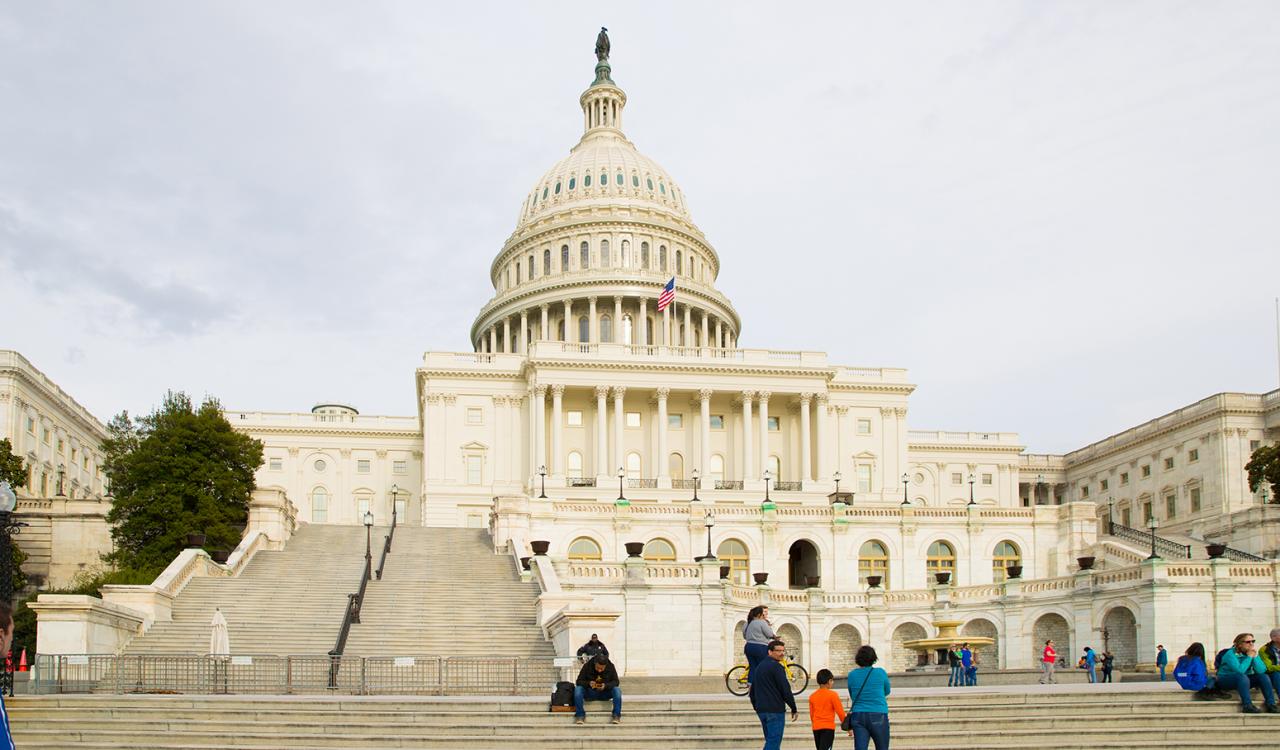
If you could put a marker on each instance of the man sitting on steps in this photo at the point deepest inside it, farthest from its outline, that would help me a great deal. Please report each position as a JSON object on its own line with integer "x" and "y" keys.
{"x": 598, "y": 681}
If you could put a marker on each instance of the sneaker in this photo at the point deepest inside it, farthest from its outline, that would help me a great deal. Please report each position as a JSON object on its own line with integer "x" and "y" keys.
{"x": 618, "y": 719}
{"x": 580, "y": 720}
{"x": 1251, "y": 710}
{"x": 1203, "y": 695}
{"x": 1272, "y": 708}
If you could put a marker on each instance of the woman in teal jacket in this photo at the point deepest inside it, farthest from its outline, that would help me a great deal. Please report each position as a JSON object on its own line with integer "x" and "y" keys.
{"x": 1242, "y": 669}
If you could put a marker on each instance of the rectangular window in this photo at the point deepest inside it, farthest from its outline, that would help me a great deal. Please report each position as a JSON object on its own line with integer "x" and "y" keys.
{"x": 1146, "y": 512}
{"x": 362, "y": 466}
{"x": 1105, "y": 484}
{"x": 362, "y": 507}
{"x": 474, "y": 470}
{"x": 775, "y": 424}
{"x": 45, "y": 436}
{"x": 675, "y": 421}
{"x": 957, "y": 478}
{"x": 1171, "y": 505}
{"x": 1126, "y": 518}
{"x": 633, "y": 419}
{"x": 86, "y": 463}
{"x": 277, "y": 464}
{"x": 864, "y": 477}
{"x": 986, "y": 480}
{"x": 1124, "y": 478}
{"x": 1195, "y": 499}
{"x": 1146, "y": 471}
{"x": 1168, "y": 463}
{"x": 399, "y": 467}
{"x": 61, "y": 445}
{"x": 475, "y": 415}
{"x": 1254, "y": 445}
{"x": 864, "y": 426}
{"x": 1193, "y": 455}
{"x": 717, "y": 421}
{"x": 31, "y": 425}
{"x": 573, "y": 419}
{"x": 1084, "y": 490}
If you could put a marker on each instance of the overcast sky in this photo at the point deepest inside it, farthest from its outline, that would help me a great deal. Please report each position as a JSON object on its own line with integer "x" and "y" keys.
{"x": 1061, "y": 217}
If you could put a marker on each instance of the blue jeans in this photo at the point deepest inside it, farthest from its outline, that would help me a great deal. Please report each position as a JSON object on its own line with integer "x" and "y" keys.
{"x": 1241, "y": 684}
{"x": 581, "y": 694}
{"x": 1274, "y": 677}
{"x": 1093, "y": 675}
{"x": 971, "y": 676}
{"x": 1162, "y": 668}
{"x": 773, "y": 725}
{"x": 954, "y": 680}
{"x": 870, "y": 727}
{"x": 755, "y": 653}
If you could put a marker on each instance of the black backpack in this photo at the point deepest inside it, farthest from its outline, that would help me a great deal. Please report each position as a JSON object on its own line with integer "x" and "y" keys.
{"x": 562, "y": 696}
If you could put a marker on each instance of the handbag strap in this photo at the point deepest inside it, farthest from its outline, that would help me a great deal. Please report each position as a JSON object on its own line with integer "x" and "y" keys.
{"x": 859, "y": 693}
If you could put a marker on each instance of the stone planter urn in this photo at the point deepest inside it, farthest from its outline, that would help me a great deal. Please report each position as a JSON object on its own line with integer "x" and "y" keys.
{"x": 760, "y": 578}
{"x": 195, "y": 540}
{"x": 724, "y": 572}
{"x": 634, "y": 549}
{"x": 1085, "y": 563}
{"x": 540, "y": 547}
{"x": 524, "y": 562}
{"x": 1014, "y": 571}
{"x": 942, "y": 578}
{"x": 874, "y": 581}
{"x": 220, "y": 555}
{"x": 1216, "y": 550}
{"x": 813, "y": 581}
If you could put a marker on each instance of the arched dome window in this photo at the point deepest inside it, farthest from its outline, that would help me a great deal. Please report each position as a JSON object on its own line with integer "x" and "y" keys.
{"x": 605, "y": 259}
{"x": 626, "y": 254}
{"x": 546, "y": 262}
{"x": 873, "y": 560}
{"x": 517, "y": 272}
{"x": 557, "y": 187}
{"x": 604, "y": 180}
{"x": 606, "y": 329}
{"x": 584, "y": 549}
{"x": 649, "y": 181}
{"x": 644, "y": 255}
{"x": 586, "y": 180}
{"x": 648, "y": 331}
{"x": 635, "y": 180}
{"x": 564, "y": 258}
{"x": 662, "y": 258}
{"x": 679, "y": 263}
{"x": 584, "y": 259}
{"x": 662, "y": 188}
{"x": 627, "y": 330}
{"x": 573, "y": 182}
{"x": 584, "y": 330}
{"x": 659, "y": 550}
{"x": 619, "y": 181}
{"x": 530, "y": 266}
{"x": 544, "y": 193}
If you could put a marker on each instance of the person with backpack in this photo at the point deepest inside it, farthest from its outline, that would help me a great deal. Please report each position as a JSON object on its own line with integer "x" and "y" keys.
{"x": 1241, "y": 669}
{"x": 597, "y": 681}
{"x": 869, "y": 711}
{"x": 758, "y": 634}
{"x": 1047, "y": 659}
{"x": 1270, "y": 654}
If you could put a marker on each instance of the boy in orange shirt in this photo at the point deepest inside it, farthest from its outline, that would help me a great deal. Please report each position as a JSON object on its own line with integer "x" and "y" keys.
{"x": 825, "y": 711}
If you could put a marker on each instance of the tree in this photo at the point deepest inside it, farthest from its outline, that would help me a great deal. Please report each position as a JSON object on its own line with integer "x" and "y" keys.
{"x": 1264, "y": 466}
{"x": 176, "y": 471}
{"x": 12, "y": 469}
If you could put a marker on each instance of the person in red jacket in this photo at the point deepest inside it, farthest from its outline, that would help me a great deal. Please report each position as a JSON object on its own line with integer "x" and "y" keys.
{"x": 1047, "y": 660}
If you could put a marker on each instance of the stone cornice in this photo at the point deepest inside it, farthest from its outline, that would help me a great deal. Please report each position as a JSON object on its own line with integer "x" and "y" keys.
{"x": 335, "y": 431}
{"x": 21, "y": 369}
{"x": 1015, "y": 450}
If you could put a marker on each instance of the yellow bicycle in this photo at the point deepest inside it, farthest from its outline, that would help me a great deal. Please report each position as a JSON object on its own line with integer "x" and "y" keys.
{"x": 736, "y": 679}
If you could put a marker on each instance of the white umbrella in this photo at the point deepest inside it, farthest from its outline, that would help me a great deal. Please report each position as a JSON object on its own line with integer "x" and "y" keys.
{"x": 219, "y": 641}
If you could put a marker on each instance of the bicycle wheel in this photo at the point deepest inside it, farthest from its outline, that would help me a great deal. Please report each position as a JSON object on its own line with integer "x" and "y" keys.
{"x": 798, "y": 676}
{"x": 736, "y": 680}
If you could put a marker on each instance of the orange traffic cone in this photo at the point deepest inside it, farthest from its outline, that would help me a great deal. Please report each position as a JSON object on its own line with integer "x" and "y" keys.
{"x": 22, "y": 661}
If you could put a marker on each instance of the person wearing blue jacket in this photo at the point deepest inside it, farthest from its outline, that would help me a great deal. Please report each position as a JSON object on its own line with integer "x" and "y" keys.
{"x": 1091, "y": 663}
{"x": 869, "y": 711}
{"x": 1191, "y": 673}
{"x": 1242, "y": 669}
{"x": 1162, "y": 661}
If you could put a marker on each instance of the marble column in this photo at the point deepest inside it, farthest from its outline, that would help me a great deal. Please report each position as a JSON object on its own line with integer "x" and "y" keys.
{"x": 687, "y": 339}
{"x": 617, "y": 320}
{"x": 602, "y": 431}
{"x": 806, "y": 460}
{"x": 506, "y": 335}
{"x": 764, "y": 432}
{"x": 665, "y": 338}
{"x": 493, "y": 339}
{"x": 593, "y": 324}
{"x": 706, "y": 329}
{"x": 643, "y": 338}
{"x": 544, "y": 333}
{"x": 619, "y": 422}
{"x": 540, "y": 425}
{"x": 568, "y": 321}
{"x": 719, "y": 333}
{"x": 664, "y": 465}
{"x": 523, "y": 348}
{"x": 556, "y": 458}
{"x": 704, "y": 459}
{"x": 822, "y": 417}
{"x": 748, "y": 463}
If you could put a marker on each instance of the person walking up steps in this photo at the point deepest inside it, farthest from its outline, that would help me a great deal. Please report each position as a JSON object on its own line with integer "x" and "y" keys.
{"x": 1048, "y": 658}
{"x": 771, "y": 695}
{"x": 868, "y": 687}
{"x": 825, "y": 711}
{"x": 758, "y": 633}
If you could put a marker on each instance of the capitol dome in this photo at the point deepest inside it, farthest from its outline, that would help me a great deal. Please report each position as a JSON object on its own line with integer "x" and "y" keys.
{"x": 605, "y": 227}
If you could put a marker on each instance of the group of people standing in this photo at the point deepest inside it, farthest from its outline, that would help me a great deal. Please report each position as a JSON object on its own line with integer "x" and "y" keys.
{"x": 964, "y": 665}
{"x": 1089, "y": 661}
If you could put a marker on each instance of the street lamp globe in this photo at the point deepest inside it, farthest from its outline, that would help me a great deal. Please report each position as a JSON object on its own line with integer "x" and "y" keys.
{"x": 368, "y": 518}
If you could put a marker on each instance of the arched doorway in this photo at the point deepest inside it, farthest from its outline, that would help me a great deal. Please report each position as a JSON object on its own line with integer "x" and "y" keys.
{"x": 739, "y": 643}
{"x": 802, "y": 564}
{"x": 904, "y": 658}
{"x": 1053, "y": 627}
{"x": 1120, "y": 636}
{"x": 843, "y": 645}
{"x": 790, "y": 635}
{"x": 988, "y": 656}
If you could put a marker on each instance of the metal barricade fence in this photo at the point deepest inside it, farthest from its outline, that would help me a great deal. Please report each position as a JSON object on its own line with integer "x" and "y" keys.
{"x": 403, "y": 675}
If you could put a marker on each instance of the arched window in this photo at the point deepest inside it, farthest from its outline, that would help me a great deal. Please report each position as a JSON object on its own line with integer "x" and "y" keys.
{"x": 662, "y": 258}
{"x": 644, "y": 255}
{"x": 873, "y": 560}
{"x": 1006, "y": 554}
{"x": 606, "y": 328}
{"x": 627, "y": 337}
{"x": 364, "y": 503}
{"x": 659, "y": 550}
{"x": 560, "y": 330}
{"x": 679, "y": 263}
{"x": 529, "y": 275}
{"x": 605, "y": 259}
{"x": 619, "y": 180}
{"x": 635, "y": 180}
{"x": 586, "y": 180}
{"x": 573, "y": 182}
{"x": 942, "y": 559}
{"x": 584, "y": 549}
{"x": 574, "y": 464}
{"x": 675, "y": 464}
{"x": 584, "y": 330}
{"x": 648, "y": 332}
{"x": 518, "y": 272}
{"x": 546, "y": 262}
{"x": 564, "y": 258}
{"x": 633, "y": 465}
{"x": 716, "y": 471}
{"x": 557, "y": 191}
{"x": 319, "y": 505}
{"x": 734, "y": 554}
{"x": 626, "y": 254}
{"x": 775, "y": 469}
{"x": 584, "y": 257}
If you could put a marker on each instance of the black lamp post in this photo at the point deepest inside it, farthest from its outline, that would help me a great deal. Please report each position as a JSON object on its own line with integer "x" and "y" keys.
{"x": 1153, "y": 524}
{"x": 971, "y": 502}
{"x": 8, "y": 502}
{"x": 837, "y": 476}
{"x": 621, "y": 475}
{"x": 1111, "y": 515}
{"x": 904, "y": 488}
{"x": 709, "y": 521}
{"x": 62, "y": 473}
{"x": 542, "y": 472}
{"x": 768, "y": 475}
{"x": 368, "y": 537}
{"x": 395, "y": 504}
{"x": 696, "y": 481}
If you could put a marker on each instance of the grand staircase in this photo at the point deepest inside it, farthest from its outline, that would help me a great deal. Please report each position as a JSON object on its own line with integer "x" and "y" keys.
{"x": 1065, "y": 717}
{"x": 444, "y": 591}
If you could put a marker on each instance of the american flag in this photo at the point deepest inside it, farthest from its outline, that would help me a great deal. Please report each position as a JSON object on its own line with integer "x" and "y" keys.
{"x": 668, "y": 295}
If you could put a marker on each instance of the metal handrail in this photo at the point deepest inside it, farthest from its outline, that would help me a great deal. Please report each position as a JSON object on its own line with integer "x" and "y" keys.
{"x": 1240, "y": 555}
{"x": 1167, "y": 546}
{"x": 350, "y": 617}
{"x": 386, "y": 544}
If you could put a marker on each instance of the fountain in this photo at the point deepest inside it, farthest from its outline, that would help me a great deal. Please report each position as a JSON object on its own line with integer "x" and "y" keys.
{"x": 932, "y": 654}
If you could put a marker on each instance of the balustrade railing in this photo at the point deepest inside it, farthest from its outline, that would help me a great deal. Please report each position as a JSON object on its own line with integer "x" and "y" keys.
{"x": 683, "y": 484}
{"x": 788, "y": 486}
{"x": 642, "y": 483}
{"x": 1241, "y": 556}
{"x": 1163, "y": 546}
{"x": 728, "y": 484}
{"x": 580, "y": 481}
